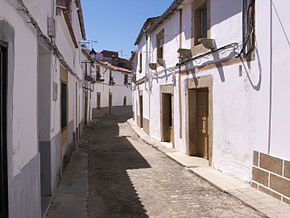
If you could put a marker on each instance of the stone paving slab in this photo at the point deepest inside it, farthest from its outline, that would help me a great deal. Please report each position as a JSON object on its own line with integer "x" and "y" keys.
{"x": 257, "y": 200}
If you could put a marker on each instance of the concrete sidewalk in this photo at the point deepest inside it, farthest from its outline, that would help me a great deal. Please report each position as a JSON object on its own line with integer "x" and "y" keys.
{"x": 199, "y": 166}
{"x": 71, "y": 197}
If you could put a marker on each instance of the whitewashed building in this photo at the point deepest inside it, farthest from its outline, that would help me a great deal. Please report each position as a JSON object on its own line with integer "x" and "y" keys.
{"x": 212, "y": 80}
{"x": 41, "y": 99}
{"x": 112, "y": 93}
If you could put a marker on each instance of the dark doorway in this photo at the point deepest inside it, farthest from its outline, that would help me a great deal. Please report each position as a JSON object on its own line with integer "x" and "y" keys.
{"x": 141, "y": 110}
{"x": 125, "y": 101}
{"x": 98, "y": 100}
{"x": 198, "y": 122}
{"x": 63, "y": 106}
{"x": 110, "y": 103}
{"x": 167, "y": 117}
{"x": 3, "y": 136}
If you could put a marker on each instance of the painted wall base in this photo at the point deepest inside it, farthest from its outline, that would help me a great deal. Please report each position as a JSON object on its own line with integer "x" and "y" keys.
{"x": 24, "y": 196}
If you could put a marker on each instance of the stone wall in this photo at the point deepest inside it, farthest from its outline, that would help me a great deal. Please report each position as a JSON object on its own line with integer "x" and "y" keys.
{"x": 272, "y": 176}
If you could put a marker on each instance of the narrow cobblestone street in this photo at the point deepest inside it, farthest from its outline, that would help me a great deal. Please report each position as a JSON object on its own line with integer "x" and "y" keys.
{"x": 128, "y": 178}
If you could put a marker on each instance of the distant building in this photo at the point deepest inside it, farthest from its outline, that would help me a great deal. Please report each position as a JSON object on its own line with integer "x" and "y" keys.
{"x": 113, "y": 58}
{"x": 112, "y": 91}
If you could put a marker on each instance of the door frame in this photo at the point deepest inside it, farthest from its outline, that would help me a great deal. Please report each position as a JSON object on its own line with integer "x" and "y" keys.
{"x": 3, "y": 133}
{"x": 167, "y": 89}
{"x": 199, "y": 83}
{"x": 63, "y": 132}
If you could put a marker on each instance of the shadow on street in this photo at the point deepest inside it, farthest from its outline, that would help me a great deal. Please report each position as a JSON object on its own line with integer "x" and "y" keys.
{"x": 112, "y": 194}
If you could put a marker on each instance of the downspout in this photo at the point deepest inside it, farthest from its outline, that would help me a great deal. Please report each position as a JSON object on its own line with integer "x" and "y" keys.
{"x": 179, "y": 76}
{"x": 271, "y": 76}
{"x": 146, "y": 63}
{"x": 149, "y": 85}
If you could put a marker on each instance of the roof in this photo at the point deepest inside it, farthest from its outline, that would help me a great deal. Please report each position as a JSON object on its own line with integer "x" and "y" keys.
{"x": 108, "y": 53}
{"x": 152, "y": 23}
{"x": 104, "y": 63}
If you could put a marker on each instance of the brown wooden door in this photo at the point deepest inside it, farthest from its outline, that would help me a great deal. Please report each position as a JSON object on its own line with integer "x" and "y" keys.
{"x": 198, "y": 122}
{"x": 110, "y": 103}
{"x": 167, "y": 117}
{"x": 202, "y": 122}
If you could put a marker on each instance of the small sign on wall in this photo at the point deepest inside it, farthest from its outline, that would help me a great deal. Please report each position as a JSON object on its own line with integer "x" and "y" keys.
{"x": 54, "y": 90}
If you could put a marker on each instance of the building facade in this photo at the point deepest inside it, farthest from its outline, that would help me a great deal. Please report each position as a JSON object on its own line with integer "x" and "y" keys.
{"x": 42, "y": 88}
{"x": 210, "y": 80}
{"x": 112, "y": 92}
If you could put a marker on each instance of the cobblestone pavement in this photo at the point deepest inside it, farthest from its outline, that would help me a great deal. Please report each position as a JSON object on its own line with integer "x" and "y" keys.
{"x": 128, "y": 178}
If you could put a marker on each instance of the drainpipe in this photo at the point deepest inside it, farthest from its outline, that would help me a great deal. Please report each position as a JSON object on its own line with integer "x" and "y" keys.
{"x": 179, "y": 76}
{"x": 271, "y": 76}
{"x": 149, "y": 85}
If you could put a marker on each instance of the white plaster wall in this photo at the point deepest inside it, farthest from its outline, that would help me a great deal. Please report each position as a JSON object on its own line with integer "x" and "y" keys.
{"x": 44, "y": 94}
{"x": 64, "y": 41}
{"x": 279, "y": 143}
{"x": 24, "y": 135}
{"x": 40, "y": 11}
{"x": 186, "y": 27}
{"x": 142, "y": 48}
{"x": 226, "y": 21}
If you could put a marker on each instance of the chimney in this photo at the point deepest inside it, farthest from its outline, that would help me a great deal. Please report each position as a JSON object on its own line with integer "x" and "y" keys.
{"x": 113, "y": 60}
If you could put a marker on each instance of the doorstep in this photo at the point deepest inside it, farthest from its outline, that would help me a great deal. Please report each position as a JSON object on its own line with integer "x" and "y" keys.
{"x": 257, "y": 200}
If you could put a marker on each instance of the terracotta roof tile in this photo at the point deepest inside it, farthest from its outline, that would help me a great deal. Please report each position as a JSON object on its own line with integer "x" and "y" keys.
{"x": 115, "y": 67}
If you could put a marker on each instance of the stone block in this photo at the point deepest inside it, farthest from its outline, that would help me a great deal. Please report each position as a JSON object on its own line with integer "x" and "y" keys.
{"x": 260, "y": 176}
{"x": 287, "y": 169}
{"x": 255, "y": 158}
{"x": 270, "y": 163}
{"x": 280, "y": 185}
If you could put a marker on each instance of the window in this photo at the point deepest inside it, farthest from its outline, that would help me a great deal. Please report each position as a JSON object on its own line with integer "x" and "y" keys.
{"x": 200, "y": 23}
{"x": 63, "y": 106}
{"x": 111, "y": 80}
{"x": 203, "y": 23}
{"x": 140, "y": 61}
{"x": 248, "y": 26}
{"x": 126, "y": 79}
{"x": 160, "y": 47}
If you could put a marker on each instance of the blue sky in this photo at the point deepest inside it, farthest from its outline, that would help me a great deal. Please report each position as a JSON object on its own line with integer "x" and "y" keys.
{"x": 115, "y": 24}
